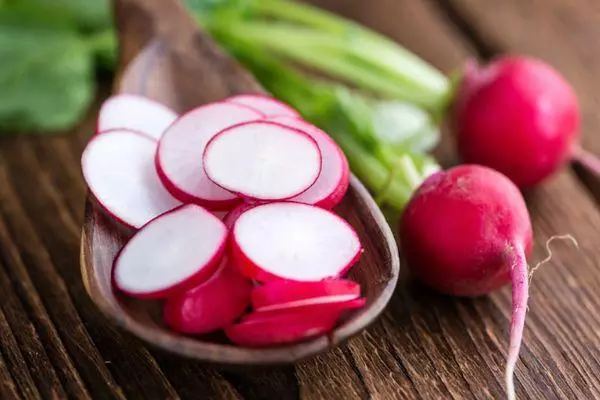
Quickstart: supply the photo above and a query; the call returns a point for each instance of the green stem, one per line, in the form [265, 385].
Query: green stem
[373, 173]
[349, 58]
[401, 59]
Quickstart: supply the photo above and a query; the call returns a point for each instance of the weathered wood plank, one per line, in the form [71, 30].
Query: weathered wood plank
[11, 354]
[35, 333]
[328, 374]
[8, 389]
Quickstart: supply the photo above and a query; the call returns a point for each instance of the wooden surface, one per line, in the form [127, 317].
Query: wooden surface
[54, 343]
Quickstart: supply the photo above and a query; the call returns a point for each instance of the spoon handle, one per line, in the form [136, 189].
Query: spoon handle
[191, 52]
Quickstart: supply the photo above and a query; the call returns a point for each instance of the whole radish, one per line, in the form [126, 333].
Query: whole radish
[517, 115]
[466, 232]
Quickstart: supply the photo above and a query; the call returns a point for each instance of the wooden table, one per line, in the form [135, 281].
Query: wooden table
[55, 344]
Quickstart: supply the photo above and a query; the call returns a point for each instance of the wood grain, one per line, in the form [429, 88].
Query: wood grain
[425, 346]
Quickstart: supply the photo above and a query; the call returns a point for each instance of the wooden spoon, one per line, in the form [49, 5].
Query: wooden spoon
[165, 57]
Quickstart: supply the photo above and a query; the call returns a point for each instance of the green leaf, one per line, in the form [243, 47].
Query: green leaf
[88, 15]
[46, 79]
[405, 126]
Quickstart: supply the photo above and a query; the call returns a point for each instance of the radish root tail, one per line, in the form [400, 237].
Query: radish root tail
[520, 295]
[588, 160]
[549, 250]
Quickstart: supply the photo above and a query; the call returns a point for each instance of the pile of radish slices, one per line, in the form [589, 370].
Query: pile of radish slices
[230, 205]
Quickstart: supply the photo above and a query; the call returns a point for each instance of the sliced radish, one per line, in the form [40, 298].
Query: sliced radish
[137, 113]
[275, 293]
[234, 214]
[172, 253]
[267, 105]
[220, 214]
[312, 307]
[263, 160]
[212, 305]
[262, 331]
[179, 156]
[118, 167]
[332, 184]
[293, 241]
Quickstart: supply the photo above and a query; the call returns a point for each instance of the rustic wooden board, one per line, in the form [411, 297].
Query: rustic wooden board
[54, 343]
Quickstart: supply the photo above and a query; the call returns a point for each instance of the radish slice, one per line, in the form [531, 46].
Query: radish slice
[293, 241]
[275, 293]
[221, 214]
[268, 106]
[137, 113]
[212, 305]
[179, 156]
[262, 331]
[172, 253]
[234, 214]
[332, 184]
[263, 160]
[118, 167]
[313, 307]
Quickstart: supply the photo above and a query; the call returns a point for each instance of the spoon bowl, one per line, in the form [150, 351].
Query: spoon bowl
[166, 58]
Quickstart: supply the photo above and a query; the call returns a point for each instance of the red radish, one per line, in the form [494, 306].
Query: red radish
[281, 292]
[258, 330]
[234, 214]
[172, 253]
[220, 214]
[118, 167]
[268, 106]
[293, 241]
[313, 306]
[137, 113]
[263, 160]
[179, 156]
[518, 116]
[332, 184]
[466, 232]
[210, 306]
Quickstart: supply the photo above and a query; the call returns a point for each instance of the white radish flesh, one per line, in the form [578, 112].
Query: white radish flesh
[276, 293]
[293, 241]
[268, 106]
[137, 113]
[180, 151]
[118, 167]
[263, 160]
[212, 305]
[172, 253]
[332, 184]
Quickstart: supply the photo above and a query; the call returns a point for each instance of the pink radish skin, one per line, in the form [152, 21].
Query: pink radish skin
[233, 215]
[313, 306]
[212, 305]
[263, 331]
[118, 168]
[136, 113]
[262, 160]
[466, 232]
[180, 152]
[282, 292]
[171, 254]
[332, 184]
[266, 105]
[293, 241]
[518, 116]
